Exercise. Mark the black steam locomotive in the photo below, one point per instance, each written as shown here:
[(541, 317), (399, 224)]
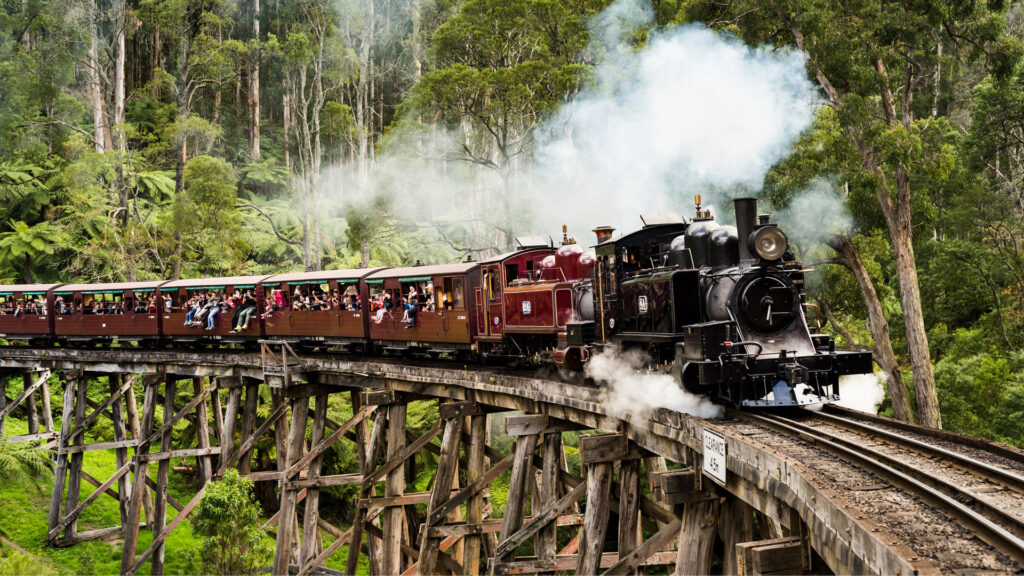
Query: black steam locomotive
[(720, 307)]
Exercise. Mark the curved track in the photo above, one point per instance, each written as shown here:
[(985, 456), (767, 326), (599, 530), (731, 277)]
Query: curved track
[(982, 496)]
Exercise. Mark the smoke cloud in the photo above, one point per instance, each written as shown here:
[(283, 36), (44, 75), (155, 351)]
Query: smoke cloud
[(815, 213), (631, 394), (692, 112), (862, 392)]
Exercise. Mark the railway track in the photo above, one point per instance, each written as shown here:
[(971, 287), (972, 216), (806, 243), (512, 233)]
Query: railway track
[(985, 496)]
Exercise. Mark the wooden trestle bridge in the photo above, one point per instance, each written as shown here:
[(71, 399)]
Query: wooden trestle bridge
[(805, 521)]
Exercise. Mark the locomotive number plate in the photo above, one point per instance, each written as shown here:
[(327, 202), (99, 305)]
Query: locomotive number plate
[(714, 456)]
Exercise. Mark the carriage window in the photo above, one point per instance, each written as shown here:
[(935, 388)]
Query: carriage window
[(315, 297), (512, 273), (454, 293), (348, 297)]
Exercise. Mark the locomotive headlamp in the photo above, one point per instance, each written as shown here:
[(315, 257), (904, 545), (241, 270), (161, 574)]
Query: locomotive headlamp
[(768, 242)]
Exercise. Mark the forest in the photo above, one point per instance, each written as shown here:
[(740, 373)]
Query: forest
[(164, 139)]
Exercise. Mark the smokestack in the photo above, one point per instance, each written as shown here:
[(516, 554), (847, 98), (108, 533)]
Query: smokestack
[(746, 215)]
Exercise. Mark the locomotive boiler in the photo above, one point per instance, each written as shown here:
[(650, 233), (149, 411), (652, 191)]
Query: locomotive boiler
[(719, 307)]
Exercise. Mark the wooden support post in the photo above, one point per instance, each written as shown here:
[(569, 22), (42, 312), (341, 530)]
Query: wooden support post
[(629, 507), (30, 405), (697, 537), (475, 504), (368, 461), (595, 522), (447, 466), (163, 478), (252, 396), (114, 382), (66, 425), (735, 526), (202, 432), (546, 538), (75, 467), (47, 411), (136, 429), (394, 517), (521, 467), (218, 411), (141, 469), (227, 435), (286, 517), (310, 520)]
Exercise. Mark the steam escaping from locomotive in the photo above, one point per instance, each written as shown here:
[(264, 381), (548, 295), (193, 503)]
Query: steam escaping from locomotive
[(632, 393), (693, 111), (862, 392)]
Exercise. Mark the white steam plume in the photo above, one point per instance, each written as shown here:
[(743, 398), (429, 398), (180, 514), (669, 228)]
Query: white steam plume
[(862, 392), (692, 112), (815, 213), (631, 394)]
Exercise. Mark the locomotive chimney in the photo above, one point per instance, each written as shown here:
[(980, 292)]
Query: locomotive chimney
[(746, 216)]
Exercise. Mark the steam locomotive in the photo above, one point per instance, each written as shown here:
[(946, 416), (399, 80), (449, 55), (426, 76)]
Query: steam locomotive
[(719, 307)]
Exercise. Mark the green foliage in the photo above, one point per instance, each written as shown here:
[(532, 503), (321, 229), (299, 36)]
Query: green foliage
[(228, 522), (14, 563), (23, 463)]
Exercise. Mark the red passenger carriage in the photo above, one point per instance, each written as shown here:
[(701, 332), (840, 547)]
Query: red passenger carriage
[(18, 320), (181, 291), (347, 320), (447, 326), (122, 311)]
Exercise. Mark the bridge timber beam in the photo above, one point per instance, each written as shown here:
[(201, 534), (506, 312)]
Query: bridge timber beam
[(448, 529)]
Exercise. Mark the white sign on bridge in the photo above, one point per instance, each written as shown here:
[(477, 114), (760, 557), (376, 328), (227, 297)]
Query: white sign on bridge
[(714, 456)]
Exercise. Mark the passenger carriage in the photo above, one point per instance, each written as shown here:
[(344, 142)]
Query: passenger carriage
[(450, 327), (335, 326), (180, 291), (111, 311), (17, 322)]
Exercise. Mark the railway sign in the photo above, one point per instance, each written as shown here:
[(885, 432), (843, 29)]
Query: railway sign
[(714, 456)]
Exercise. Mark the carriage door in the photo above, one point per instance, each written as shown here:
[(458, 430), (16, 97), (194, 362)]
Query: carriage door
[(493, 286)]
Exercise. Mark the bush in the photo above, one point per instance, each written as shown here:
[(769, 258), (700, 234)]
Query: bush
[(227, 525)]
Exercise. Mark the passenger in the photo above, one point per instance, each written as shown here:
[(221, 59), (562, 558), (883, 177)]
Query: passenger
[(212, 309), (385, 308), (411, 311), (280, 300), (428, 304), (191, 304), (248, 308), (168, 303)]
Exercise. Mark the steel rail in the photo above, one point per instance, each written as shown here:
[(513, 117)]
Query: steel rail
[(966, 463), (988, 530), (1002, 450)]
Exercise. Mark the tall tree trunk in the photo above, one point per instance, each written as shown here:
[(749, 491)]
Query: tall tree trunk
[(254, 86), (879, 326), (117, 128), (155, 64), (417, 42), (364, 115), (913, 313), (286, 120), (95, 89)]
